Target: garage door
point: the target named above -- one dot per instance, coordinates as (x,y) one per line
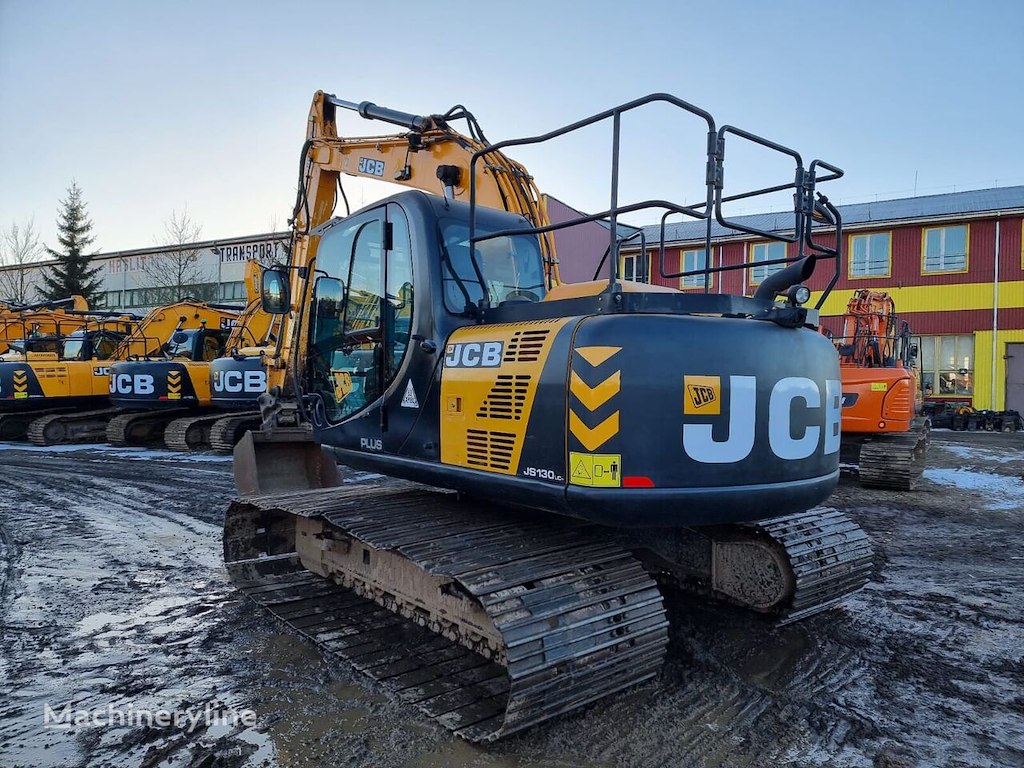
(1015,377)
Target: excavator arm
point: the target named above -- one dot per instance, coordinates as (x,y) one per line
(430,156)
(150,334)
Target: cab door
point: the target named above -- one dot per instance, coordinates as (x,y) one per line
(360,329)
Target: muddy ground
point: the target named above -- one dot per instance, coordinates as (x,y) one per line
(112,593)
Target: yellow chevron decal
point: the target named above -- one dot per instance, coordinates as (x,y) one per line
(594,397)
(592,439)
(173,388)
(20,376)
(597,355)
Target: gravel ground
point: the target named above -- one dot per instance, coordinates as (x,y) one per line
(112,594)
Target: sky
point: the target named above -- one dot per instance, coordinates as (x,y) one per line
(156,107)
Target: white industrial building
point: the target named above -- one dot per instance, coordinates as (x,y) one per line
(218,269)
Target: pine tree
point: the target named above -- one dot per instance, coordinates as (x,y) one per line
(72,273)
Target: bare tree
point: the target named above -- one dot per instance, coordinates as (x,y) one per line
(177,269)
(19,247)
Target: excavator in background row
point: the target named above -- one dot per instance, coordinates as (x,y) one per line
(55,396)
(885,436)
(45,319)
(589,445)
(174,401)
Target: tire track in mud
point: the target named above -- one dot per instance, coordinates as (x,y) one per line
(116,601)
(922,668)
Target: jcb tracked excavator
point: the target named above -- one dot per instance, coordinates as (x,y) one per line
(885,437)
(44,319)
(587,444)
(168,383)
(56,396)
(177,408)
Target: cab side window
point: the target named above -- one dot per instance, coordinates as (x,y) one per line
(362,312)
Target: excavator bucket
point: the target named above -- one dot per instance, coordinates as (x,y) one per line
(287,460)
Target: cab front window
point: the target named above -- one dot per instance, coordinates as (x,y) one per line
(512,268)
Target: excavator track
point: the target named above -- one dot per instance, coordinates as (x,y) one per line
(488,623)
(14,426)
(830,556)
(894,461)
(786,568)
(228,430)
(211,431)
(140,427)
(190,433)
(74,427)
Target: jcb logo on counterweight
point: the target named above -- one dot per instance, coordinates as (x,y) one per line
(802,418)
(702,395)
(240,381)
(126,384)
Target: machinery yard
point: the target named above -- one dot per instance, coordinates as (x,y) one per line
(121,598)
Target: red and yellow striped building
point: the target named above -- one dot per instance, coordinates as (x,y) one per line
(954,264)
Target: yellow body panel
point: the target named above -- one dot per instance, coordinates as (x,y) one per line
(485,409)
(68,378)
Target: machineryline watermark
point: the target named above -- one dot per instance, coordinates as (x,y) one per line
(114,715)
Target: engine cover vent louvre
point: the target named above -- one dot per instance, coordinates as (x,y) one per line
(489,450)
(506,398)
(526,346)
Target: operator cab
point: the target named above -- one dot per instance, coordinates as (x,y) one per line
(34,344)
(371,268)
(196,344)
(89,345)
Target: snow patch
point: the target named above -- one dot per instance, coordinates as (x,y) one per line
(113,451)
(973,453)
(1003,492)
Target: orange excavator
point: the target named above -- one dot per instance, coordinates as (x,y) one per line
(884,437)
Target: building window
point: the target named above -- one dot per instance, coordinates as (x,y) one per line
(947,365)
(635,267)
(765,252)
(692,260)
(870,255)
(234,291)
(944,249)
(110,300)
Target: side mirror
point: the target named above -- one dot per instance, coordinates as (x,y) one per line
(330,297)
(913,351)
(328,304)
(274,292)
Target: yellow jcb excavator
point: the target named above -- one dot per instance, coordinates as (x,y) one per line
(45,319)
(177,406)
(52,397)
(589,444)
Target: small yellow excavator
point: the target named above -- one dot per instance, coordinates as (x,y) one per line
(54,396)
(590,445)
(177,407)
